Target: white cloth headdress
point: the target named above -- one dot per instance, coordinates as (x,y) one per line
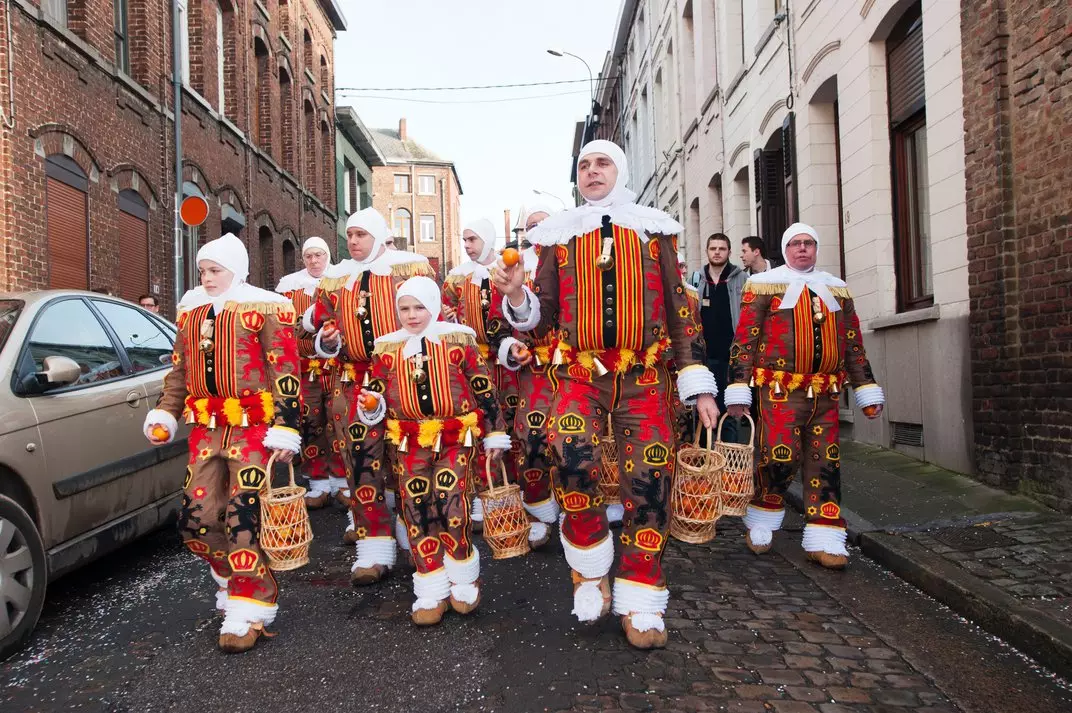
(485,229)
(228,252)
(315,243)
(425,291)
(817,281)
(302,280)
(619,205)
(379,260)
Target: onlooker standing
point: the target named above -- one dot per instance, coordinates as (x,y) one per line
(720,285)
(149,302)
(753,255)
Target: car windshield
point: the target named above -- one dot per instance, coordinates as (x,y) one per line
(9,314)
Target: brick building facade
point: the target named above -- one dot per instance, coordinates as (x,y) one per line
(1018,146)
(419,195)
(86,147)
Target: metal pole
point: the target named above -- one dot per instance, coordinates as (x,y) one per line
(176,80)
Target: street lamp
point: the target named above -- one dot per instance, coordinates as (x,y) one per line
(591,79)
(552,195)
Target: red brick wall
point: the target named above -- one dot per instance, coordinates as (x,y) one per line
(69,100)
(1018,124)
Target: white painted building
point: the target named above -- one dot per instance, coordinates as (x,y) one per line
(849,113)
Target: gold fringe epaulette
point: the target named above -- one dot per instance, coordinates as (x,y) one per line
(452,279)
(284,310)
(417,268)
(459,338)
(330,284)
(779,288)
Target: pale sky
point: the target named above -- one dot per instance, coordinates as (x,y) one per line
(502,150)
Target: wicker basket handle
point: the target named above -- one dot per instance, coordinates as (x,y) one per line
(751,432)
(710,439)
(268,474)
(491,479)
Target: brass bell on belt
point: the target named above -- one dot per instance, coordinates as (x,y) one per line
(206,345)
(605,261)
(206,330)
(245,419)
(817,313)
(438,445)
(403,445)
(598,368)
(212,422)
(190,418)
(834,388)
(345,376)
(811,391)
(419,375)
(468,440)
(777,388)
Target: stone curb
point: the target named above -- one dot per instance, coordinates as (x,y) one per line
(1029,629)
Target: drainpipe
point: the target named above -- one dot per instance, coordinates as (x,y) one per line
(443,225)
(176,80)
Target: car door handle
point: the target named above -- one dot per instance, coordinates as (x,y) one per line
(133,399)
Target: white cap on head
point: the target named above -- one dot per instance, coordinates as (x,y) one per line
(485,229)
(538,208)
(315,243)
(371,221)
(618,194)
(798,229)
(424,290)
(229,252)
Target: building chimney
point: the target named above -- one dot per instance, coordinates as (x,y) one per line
(506,224)
(402,128)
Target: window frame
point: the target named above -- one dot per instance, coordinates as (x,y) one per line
(407,236)
(184,40)
(221,84)
(422,223)
(420,179)
(907,244)
(117,339)
(121,32)
(409,184)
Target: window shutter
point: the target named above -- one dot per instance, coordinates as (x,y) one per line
(905,72)
(789,167)
(133,256)
(67,226)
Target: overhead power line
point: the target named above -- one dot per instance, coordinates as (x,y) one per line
(474,86)
(466,101)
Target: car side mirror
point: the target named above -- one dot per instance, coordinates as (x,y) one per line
(59,371)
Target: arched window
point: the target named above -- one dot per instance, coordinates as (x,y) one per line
(286,120)
(227,95)
(261,119)
(307,50)
(310,159)
(67,223)
(284,18)
(403,228)
(133,245)
(327,178)
(264,244)
(289,257)
(325,75)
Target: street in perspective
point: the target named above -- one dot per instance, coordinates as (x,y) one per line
(626,355)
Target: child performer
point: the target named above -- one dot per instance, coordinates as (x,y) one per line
(438,396)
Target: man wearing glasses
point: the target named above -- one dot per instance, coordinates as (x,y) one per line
(149,302)
(799,343)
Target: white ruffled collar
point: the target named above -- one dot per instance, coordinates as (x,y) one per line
(379,266)
(818,281)
(474,268)
(241,292)
(301,280)
(560,228)
(412,342)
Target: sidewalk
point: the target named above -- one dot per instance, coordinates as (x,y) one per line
(1004,561)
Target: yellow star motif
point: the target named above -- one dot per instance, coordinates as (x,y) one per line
(205,454)
(414,531)
(595,440)
(625,539)
(815,483)
(780,362)
(272,357)
(455,522)
(628,465)
(818,430)
(754,331)
(234,452)
(684,312)
(361,532)
(851,334)
(812,510)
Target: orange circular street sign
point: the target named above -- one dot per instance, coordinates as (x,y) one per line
(194,210)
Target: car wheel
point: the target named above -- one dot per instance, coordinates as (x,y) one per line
(23,576)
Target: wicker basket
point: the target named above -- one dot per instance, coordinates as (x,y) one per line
(695,497)
(738,481)
(608,471)
(506,525)
(285,531)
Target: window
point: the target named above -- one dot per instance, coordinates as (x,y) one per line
(67,223)
(133,245)
(403,228)
(286,120)
(221,91)
(267,258)
(401,183)
(426,185)
(68,328)
(310,161)
(261,118)
(184,39)
(327,178)
(910,181)
(427,228)
(146,346)
(56,10)
(348,185)
(325,75)
(122,39)
(307,50)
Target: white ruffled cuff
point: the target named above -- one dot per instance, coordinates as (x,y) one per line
(318,486)
(591,562)
(692,381)
(527,316)
(762,524)
(869,395)
(401,533)
(823,538)
(464,571)
(537,531)
(375,416)
(282,438)
(739,395)
(615,512)
(476,510)
(240,613)
(307,320)
(546,512)
(497,440)
(339,483)
(636,598)
(320,349)
(504,354)
(160,417)
(430,588)
(373,551)
(220,581)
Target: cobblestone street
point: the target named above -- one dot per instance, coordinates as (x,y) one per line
(747,634)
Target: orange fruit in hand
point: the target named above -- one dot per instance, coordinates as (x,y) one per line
(160,432)
(870,411)
(511,257)
(369,403)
